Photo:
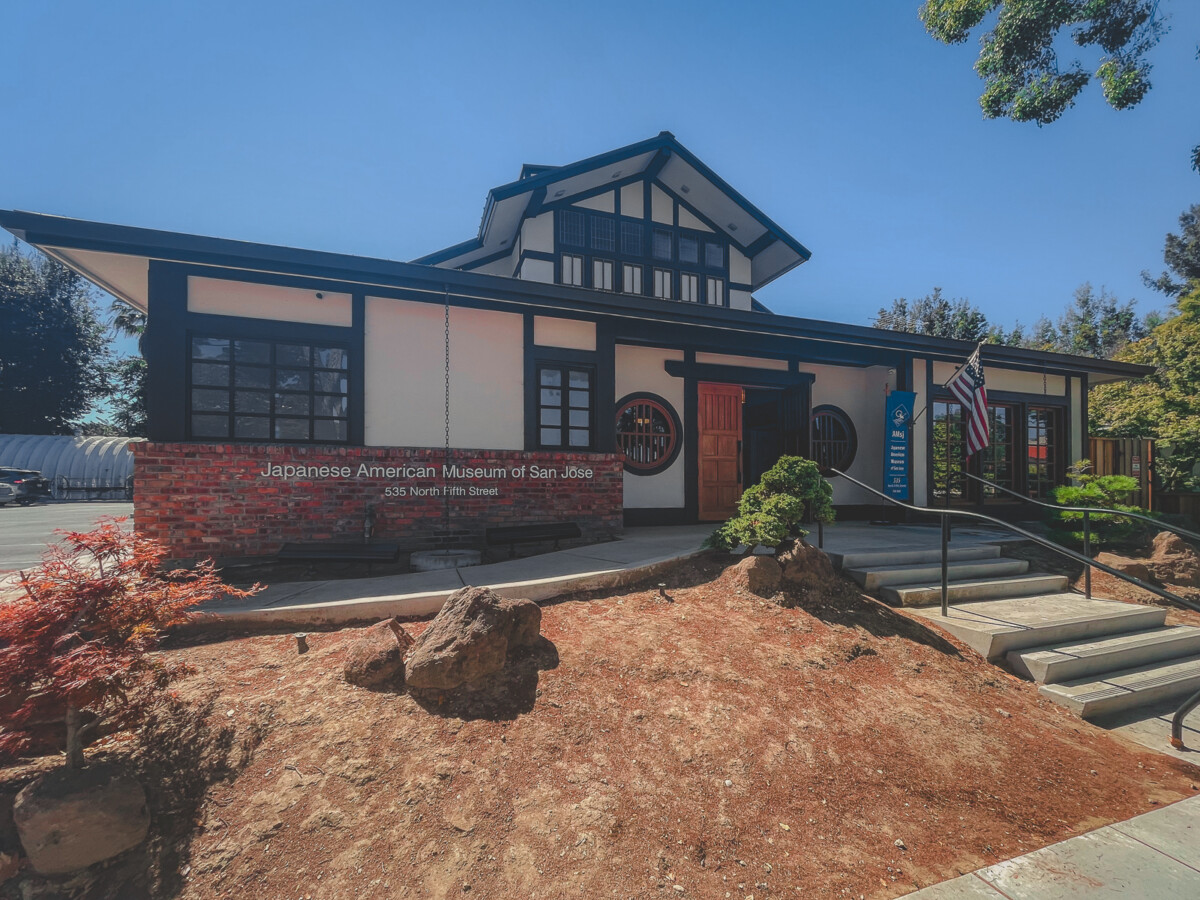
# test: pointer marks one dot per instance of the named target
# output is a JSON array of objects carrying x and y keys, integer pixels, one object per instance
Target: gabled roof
[{"x": 772, "y": 251}]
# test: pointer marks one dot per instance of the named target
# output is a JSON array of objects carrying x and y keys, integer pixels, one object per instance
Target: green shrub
[
  {"x": 770, "y": 511},
  {"x": 1104, "y": 492}
]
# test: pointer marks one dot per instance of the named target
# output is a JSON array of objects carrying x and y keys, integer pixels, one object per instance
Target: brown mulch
[{"x": 692, "y": 741}]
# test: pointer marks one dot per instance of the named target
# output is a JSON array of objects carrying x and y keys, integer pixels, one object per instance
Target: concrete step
[
  {"x": 874, "y": 577},
  {"x": 898, "y": 556},
  {"x": 1128, "y": 688},
  {"x": 1073, "y": 660},
  {"x": 930, "y": 592},
  {"x": 994, "y": 627}
]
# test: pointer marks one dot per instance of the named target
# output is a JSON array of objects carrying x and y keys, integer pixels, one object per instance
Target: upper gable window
[
  {"x": 714, "y": 255},
  {"x": 570, "y": 227},
  {"x": 689, "y": 249},
  {"x": 571, "y": 270},
  {"x": 664, "y": 244},
  {"x": 631, "y": 239},
  {"x": 604, "y": 234}
]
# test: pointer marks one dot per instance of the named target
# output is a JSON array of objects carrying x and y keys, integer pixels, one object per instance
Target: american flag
[{"x": 967, "y": 386}]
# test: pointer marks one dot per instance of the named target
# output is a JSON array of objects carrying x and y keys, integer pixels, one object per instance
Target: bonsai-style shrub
[
  {"x": 76, "y": 648},
  {"x": 770, "y": 512},
  {"x": 1103, "y": 492}
]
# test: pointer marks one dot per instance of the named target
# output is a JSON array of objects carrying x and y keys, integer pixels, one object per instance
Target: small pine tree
[
  {"x": 76, "y": 647},
  {"x": 1101, "y": 492},
  {"x": 771, "y": 511}
]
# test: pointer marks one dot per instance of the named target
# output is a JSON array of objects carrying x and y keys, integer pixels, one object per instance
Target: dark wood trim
[
  {"x": 736, "y": 374},
  {"x": 165, "y": 352},
  {"x": 691, "y": 445},
  {"x": 356, "y": 430}
]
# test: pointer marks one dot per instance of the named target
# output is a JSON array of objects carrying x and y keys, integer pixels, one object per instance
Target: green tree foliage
[
  {"x": 1093, "y": 325},
  {"x": 770, "y": 511},
  {"x": 1101, "y": 492},
  {"x": 1164, "y": 406},
  {"x": 1018, "y": 59},
  {"x": 1181, "y": 253},
  {"x": 55, "y": 358},
  {"x": 128, "y": 374},
  {"x": 936, "y": 316}
]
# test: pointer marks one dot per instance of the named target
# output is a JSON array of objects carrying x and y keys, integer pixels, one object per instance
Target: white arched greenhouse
[{"x": 78, "y": 467}]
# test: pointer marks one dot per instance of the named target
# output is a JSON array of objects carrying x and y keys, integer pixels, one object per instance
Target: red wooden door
[{"x": 720, "y": 427}]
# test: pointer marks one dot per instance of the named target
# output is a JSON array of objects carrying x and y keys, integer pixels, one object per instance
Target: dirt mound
[{"x": 683, "y": 737}]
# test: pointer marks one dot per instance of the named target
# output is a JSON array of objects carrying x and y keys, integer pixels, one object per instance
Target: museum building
[{"x": 603, "y": 355}]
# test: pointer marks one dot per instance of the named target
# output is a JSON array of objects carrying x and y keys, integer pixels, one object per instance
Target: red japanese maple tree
[{"x": 76, "y": 646}]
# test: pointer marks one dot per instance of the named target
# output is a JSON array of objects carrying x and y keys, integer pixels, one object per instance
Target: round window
[
  {"x": 834, "y": 441},
  {"x": 648, "y": 433}
]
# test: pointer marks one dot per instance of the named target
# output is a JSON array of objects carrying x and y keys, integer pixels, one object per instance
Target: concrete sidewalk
[
  {"x": 637, "y": 554},
  {"x": 1153, "y": 855}
]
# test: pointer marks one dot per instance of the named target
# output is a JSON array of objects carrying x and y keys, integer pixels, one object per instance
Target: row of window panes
[
  {"x": 665, "y": 242},
  {"x": 265, "y": 428},
  {"x": 225, "y": 350},
  {"x": 564, "y": 407},
  {"x": 603, "y": 270}
]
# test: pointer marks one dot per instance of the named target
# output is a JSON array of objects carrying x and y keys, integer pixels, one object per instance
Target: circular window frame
[
  {"x": 667, "y": 409},
  {"x": 851, "y": 433}
]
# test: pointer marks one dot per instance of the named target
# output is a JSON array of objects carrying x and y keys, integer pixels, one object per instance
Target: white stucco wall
[
  {"x": 605, "y": 202},
  {"x": 216, "y": 296},
  {"x": 538, "y": 233},
  {"x": 662, "y": 207},
  {"x": 687, "y": 220},
  {"x": 633, "y": 203},
  {"x": 999, "y": 379},
  {"x": 860, "y": 394},
  {"x": 739, "y": 266},
  {"x": 538, "y": 270},
  {"x": 404, "y": 376},
  {"x": 641, "y": 369},
  {"x": 753, "y": 362},
  {"x": 573, "y": 334}
]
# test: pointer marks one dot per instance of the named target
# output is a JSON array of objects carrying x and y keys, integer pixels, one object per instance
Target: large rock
[
  {"x": 71, "y": 819},
  {"x": 1174, "y": 561},
  {"x": 1136, "y": 568},
  {"x": 759, "y": 575},
  {"x": 471, "y": 639},
  {"x": 807, "y": 566},
  {"x": 376, "y": 659}
]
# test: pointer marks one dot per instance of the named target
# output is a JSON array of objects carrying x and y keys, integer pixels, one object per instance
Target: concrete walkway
[
  {"x": 637, "y": 554},
  {"x": 1153, "y": 855}
]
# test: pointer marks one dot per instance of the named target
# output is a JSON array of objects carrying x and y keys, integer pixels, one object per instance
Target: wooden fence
[{"x": 1126, "y": 456}]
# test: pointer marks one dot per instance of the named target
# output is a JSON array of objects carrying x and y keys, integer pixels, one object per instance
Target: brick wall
[{"x": 215, "y": 500}]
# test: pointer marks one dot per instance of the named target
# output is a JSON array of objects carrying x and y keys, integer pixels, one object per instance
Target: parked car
[
  {"x": 29, "y": 486},
  {"x": 8, "y": 493}
]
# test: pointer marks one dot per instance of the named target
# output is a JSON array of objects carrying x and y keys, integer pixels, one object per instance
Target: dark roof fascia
[
  {"x": 664, "y": 141},
  {"x": 58, "y": 231}
]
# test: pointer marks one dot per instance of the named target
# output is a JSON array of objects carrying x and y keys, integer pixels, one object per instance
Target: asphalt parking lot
[{"x": 26, "y": 530}]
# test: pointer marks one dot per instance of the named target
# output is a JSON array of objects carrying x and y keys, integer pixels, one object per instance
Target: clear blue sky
[{"x": 377, "y": 128}]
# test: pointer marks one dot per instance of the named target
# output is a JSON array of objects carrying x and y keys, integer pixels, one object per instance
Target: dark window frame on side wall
[
  {"x": 264, "y": 380},
  {"x": 557, "y": 375}
]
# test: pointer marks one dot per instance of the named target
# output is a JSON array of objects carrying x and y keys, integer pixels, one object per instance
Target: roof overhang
[
  {"x": 117, "y": 259},
  {"x": 772, "y": 250}
]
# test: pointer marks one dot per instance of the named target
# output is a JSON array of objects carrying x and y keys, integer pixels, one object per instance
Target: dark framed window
[
  {"x": 631, "y": 239},
  {"x": 689, "y": 287},
  {"x": 268, "y": 390},
  {"x": 631, "y": 278},
  {"x": 714, "y": 291},
  {"x": 566, "y": 406},
  {"x": 949, "y": 451},
  {"x": 834, "y": 440},
  {"x": 664, "y": 244},
  {"x": 648, "y": 433},
  {"x": 604, "y": 234},
  {"x": 571, "y": 269},
  {"x": 570, "y": 227},
  {"x": 602, "y": 274},
  {"x": 1044, "y": 448},
  {"x": 689, "y": 249},
  {"x": 998, "y": 461},
  {"x": 662, "y": 284},
  {"x": 714, "y": 255}
]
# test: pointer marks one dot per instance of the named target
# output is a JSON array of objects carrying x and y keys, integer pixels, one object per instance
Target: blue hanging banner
[{"x": 898, "y": 418}]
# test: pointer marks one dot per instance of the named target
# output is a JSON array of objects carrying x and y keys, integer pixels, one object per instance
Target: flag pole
[{"x": 978, "y": 349}]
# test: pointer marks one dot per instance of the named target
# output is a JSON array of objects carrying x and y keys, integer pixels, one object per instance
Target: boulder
[
  {"x": 72, "y": 818},
  {"x": 759, "y": 575},
  {"x": 376, "y": 658},
  {"x": 10, "y": 865},
  {"x": 808, "y": 567},
  {"x": 471, "y": 638},
  {"x": 1174, "y": 561},
  {"x": 1136, "y": 568}
]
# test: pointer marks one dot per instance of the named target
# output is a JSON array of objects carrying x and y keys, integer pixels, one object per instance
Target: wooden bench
[
  {"x": 530, "y": 534},
  {"x": 341, "y": 552}
]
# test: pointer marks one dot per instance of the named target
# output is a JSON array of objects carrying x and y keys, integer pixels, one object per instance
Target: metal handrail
[
  {"x": 1182, "y": 532},
  {"x": 945, "y": 514}
]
